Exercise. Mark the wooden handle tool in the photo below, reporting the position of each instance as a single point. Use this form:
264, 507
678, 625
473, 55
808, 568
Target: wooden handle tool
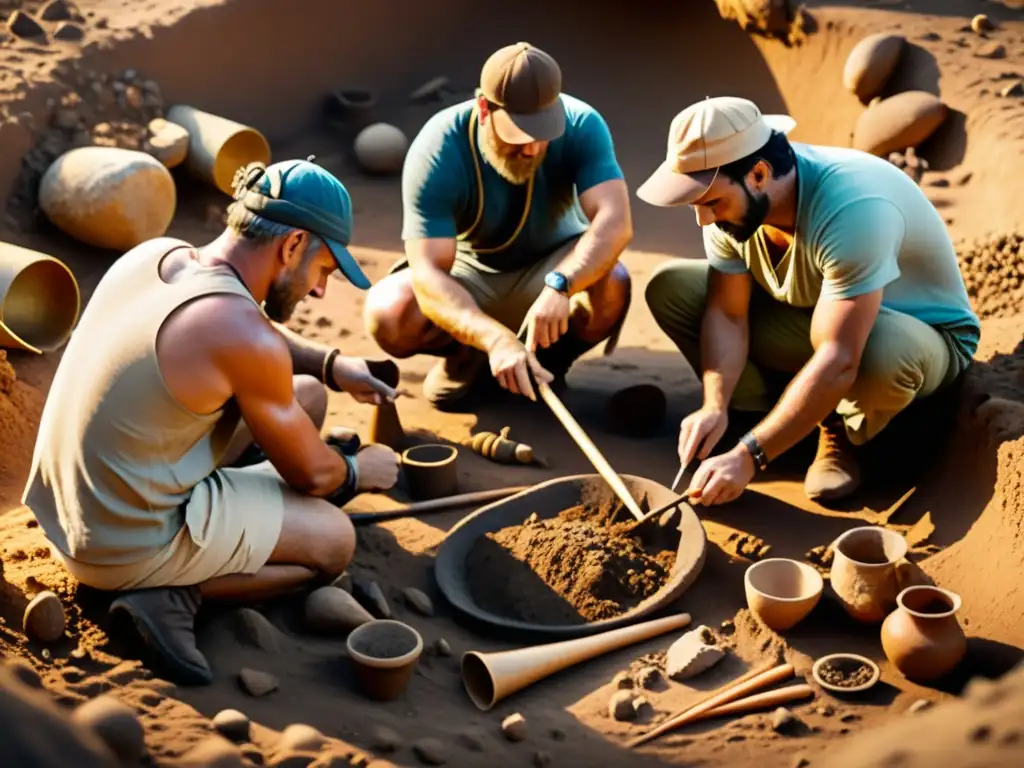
438, 505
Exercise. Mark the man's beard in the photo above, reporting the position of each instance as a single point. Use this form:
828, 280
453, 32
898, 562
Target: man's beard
757, 212
285, 294
514, 168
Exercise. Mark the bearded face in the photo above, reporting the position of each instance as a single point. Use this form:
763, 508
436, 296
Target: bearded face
515, 163
752, 218
289, 288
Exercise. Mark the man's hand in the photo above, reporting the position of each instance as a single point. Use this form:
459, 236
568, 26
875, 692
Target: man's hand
548, 318
700, 432
512, 363
378, 468
353, 375
722, 478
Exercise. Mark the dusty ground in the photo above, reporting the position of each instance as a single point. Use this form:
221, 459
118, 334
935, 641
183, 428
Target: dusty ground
963, 514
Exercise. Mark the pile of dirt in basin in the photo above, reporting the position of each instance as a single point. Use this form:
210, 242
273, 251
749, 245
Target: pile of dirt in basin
576, 567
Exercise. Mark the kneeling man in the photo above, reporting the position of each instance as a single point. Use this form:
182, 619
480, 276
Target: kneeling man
177, 366
830, 278
515, 214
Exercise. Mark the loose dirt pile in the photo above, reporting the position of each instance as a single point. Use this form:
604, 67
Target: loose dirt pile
845, 673
994, 274
576, 567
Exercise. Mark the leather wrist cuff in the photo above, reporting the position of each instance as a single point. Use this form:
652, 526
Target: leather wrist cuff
327, 372
756, 452
345, 492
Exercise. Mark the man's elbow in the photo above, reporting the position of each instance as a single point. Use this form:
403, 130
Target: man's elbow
843, 366
619, 230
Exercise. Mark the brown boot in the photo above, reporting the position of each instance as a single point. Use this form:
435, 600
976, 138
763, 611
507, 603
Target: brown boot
450, 382
834, 473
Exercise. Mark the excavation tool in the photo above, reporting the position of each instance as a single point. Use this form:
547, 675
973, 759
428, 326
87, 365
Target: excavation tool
443, 504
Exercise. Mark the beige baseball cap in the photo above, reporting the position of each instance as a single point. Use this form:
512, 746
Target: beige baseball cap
701, 139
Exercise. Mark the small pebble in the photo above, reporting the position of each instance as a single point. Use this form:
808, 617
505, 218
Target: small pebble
649, 677
642, 706
429, 751
343, 582
801, 762
541, 759
728, 627
979, 734
419, 601
370, 595
232, 724
622, 681
214, 750
919, 706
442, 648
386, 740
55, 10
299, 737
116, 724
557, 734
44, 618
620, 706
68, 32
514, 727
991, 51
784, 721
826, 710
850, 717
257, 683
471, 741
21, 24
981, 24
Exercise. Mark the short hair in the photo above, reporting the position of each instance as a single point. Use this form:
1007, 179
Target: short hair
777, 152
258, 230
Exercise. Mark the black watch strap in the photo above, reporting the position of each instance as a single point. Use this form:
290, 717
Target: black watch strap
756, 452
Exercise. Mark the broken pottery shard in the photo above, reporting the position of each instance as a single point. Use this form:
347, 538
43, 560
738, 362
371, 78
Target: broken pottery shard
419, 601
257, 683
334, 611
691, 654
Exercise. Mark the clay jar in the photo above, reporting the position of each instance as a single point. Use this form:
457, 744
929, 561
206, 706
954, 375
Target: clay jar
922, 637
865, 573
385, 653
430, 471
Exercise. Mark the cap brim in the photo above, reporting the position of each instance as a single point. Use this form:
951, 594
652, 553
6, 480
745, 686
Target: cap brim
347, 264
781, 123
665, 188
546, 125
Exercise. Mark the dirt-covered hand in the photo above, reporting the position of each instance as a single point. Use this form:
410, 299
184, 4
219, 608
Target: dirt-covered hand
722, 478
547, 320
377, 467
699, 433
352, 375
511, 365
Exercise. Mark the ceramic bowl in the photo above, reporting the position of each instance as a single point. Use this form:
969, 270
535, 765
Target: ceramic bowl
385, 653
845, 659
781, 592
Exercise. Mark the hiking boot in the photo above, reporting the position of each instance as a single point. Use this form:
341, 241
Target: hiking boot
165, 619
834, 473
450, 382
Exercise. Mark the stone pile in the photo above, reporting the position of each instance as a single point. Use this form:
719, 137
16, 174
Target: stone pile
993, 272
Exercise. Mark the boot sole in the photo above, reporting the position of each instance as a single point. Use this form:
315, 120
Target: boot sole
186, 673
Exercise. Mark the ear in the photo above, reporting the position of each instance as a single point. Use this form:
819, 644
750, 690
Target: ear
759, 176
293, 245
481, 105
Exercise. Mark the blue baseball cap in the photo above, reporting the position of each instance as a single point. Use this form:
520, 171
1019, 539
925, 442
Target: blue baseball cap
304, 195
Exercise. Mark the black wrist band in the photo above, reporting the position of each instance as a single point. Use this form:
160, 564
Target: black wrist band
345, 492
327, 373
755, 450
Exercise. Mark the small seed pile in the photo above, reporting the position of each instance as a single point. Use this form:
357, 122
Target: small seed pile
994, 275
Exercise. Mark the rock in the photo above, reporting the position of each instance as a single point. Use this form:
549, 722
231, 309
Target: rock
343, 582
299, 737
871, 63
429, 751
370, 596
67, 32
982, 24
213, 752
115, 723
901, 121
385, 740
649, 677
418, 600
641, 706
44, 618
108, 197
514, 727
232, 724
380, 148
622, 681
991, 51
826, 710
1012, 90
557, 734
801, 762
56, 10
784, 721
442, 648
919, 706
691, 654
541, 759
257, 683
620, 706
167, 142
21, 24
471, 741
255, 629
333, 611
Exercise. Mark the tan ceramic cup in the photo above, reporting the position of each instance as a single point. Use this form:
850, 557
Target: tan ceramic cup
781, 592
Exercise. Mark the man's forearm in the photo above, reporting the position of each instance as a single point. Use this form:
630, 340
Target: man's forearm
596, 252
808, 400
723, 350
307, 355
451, 308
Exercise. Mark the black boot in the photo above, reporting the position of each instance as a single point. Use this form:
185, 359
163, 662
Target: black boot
559, 358
165, 619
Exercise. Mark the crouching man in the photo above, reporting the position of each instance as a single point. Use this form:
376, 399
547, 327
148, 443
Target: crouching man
515, 214
177, 366
830, 298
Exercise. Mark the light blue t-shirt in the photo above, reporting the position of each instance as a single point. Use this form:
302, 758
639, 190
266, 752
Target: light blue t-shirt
439, 187
861, 224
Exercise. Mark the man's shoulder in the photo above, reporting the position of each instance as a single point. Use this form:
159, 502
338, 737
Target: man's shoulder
578, 113
226, 321
441, 128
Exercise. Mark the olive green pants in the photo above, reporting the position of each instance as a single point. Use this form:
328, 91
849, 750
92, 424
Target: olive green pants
904, 359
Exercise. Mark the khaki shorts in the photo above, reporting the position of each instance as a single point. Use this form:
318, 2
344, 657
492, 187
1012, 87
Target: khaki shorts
232, 524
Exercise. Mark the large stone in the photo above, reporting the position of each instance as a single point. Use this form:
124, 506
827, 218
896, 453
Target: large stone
871, 63
380, 148
108, 197
901, 121
167, 142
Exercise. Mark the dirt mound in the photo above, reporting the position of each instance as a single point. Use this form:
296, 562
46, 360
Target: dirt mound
994, 274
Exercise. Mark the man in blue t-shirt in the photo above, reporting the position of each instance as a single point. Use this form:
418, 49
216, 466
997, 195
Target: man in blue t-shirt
515, 215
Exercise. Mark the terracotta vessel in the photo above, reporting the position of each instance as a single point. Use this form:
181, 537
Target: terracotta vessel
39, 300
865, 574
385, 425
430, 470
781, 592
385, 653
922, 637
217, 146
490, 677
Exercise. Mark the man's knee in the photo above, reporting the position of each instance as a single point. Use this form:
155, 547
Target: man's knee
678, 289
335, 546
312, 396
392, 317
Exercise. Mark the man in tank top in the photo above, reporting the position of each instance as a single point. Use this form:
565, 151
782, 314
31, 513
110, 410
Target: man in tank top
827, 270
178, 364
515, 215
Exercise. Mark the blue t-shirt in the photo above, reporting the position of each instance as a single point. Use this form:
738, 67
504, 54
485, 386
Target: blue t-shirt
861, 224
439, 187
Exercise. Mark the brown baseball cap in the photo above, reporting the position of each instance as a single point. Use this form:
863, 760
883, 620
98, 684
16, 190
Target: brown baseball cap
525, 85
701, 139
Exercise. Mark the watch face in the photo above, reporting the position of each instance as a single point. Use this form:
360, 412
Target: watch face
556, 281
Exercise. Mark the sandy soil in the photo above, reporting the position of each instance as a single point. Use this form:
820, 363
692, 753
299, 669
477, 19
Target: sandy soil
960, 503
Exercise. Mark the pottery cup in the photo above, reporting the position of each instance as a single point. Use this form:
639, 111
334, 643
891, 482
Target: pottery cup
865, 571
430, 471
385, 653
781, 592
922, 637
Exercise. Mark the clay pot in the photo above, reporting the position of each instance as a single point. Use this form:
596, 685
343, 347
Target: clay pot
430, 471
352, 108
845, 662
781, 592
385, 653
865, 573
922, 637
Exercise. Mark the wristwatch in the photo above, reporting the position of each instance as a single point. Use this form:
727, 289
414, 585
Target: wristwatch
756, 452
557, 282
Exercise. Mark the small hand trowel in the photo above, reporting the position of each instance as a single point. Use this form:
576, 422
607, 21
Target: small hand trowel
666, 514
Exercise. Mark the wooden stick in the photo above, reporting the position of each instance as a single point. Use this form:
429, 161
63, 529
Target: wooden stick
745, 684
757, 701
589, 449
441, 504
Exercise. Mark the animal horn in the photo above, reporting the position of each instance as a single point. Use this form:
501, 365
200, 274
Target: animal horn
490, 677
